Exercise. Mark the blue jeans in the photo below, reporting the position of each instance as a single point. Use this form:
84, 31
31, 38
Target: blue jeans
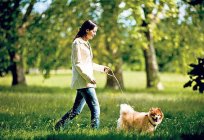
85, 95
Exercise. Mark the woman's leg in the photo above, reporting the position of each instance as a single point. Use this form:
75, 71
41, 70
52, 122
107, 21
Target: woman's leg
76, 110
89, 95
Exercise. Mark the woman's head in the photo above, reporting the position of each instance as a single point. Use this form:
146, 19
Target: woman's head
88, 30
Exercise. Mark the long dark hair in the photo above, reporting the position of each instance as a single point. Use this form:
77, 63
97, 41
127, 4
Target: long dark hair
88, 24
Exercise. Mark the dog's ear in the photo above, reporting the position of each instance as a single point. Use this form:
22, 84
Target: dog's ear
161, 112
159, 109
151, 109
162, 115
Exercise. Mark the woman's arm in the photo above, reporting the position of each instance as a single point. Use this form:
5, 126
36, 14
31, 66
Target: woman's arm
98, 67
101, 68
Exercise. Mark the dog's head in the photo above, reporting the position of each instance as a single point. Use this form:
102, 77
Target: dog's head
155, 116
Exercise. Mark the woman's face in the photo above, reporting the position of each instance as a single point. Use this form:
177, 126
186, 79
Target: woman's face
91, 33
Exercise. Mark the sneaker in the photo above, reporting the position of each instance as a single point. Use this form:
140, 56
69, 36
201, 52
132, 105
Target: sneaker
59, 125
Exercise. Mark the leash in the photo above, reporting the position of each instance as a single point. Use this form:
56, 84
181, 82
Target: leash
113, 75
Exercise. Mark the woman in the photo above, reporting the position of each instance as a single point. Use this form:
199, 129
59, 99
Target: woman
83, 80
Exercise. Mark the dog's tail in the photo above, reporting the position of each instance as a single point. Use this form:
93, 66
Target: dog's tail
124, 109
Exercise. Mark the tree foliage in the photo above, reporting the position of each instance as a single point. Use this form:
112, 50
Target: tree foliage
42, 40
196, 75
13, 26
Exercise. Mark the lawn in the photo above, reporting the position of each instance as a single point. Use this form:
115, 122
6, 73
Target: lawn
31, 112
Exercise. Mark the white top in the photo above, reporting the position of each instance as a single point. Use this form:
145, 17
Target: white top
82, 64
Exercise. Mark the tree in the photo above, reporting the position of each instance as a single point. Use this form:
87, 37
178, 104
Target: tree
180, 39
39, 40
109, 41
13, 25
151, 65
52, 34
148, 14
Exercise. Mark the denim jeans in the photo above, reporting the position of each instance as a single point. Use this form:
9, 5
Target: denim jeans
85, 95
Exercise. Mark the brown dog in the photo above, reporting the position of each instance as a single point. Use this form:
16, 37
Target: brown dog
142, 122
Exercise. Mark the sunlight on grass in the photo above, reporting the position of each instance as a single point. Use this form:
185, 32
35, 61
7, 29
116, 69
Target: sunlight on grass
132, 80
34, 115
31, 112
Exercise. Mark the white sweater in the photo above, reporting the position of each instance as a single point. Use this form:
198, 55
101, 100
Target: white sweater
82, 65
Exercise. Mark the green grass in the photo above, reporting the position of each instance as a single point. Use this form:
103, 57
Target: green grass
31, 112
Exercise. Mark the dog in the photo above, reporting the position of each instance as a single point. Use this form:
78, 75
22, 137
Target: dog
142, 122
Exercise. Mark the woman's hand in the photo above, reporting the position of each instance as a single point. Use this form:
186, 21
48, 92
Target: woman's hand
93, 81
107, 69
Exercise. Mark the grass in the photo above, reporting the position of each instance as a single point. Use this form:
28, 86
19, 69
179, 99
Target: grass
31, 112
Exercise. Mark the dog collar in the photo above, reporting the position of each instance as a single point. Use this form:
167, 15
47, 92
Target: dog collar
150, 120
152, 124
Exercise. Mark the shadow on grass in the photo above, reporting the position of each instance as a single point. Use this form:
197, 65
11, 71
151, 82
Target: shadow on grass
110, 136
56, 90
33, 89
118, 136
193, 136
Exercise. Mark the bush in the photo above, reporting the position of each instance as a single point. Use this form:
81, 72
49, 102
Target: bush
196, 76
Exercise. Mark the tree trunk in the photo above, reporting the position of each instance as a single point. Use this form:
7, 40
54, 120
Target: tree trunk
151, 66
17, 71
